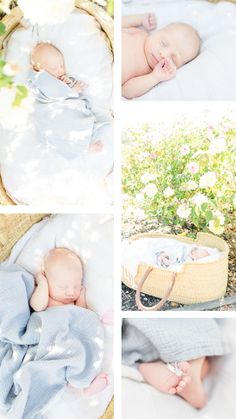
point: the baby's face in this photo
(177, 42)
(46, 57)
(196, 254)
(64, 273)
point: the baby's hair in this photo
(73, 254)
(36, 48)
(194, 32)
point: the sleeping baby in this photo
(60, 284)
(148, 59)
(166, 260)
(50, 82)
(46, 57)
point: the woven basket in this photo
(12, 228)
(196, 283)
(12, 22)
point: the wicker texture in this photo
(197, 283)
(12, 22)
(12, 228)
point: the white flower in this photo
(10, 69)
(208, 180)
(147, 177)
(150, 190)
(4, 6)
(139, 197)
(191, 185)
(218, 145)
(193, 167)
(11, 116)
(139, 213)
(184, 150)
(216, 225)
(46, 12)
(199, 199)
(183, 211)
(168, 192)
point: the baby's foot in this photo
(98, 384)
(159, 376)
(188, 386)
(96, 147)
(194, 392)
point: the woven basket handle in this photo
(159, 305)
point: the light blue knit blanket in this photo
(40, 353)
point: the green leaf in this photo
(21, 93)
(2, 28)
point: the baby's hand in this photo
(149, 21)
(164, 70)
(65, 79)
(79, 86)
(96, 147)
(40, 277)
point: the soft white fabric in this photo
(212, 75)
(91, 237)
(86, 52)
(144, 250)
(140, 400)
(32, 173)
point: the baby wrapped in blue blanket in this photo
(71, 125)
(43, 351)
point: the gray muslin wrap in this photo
(170, 340)
(40, 353)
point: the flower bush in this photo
(184, 177)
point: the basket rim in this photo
(186, 265)
(13, 21)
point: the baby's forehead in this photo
(46, 49)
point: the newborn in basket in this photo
(59, 284)
(50, 85)
(173, 259)
(150, 59)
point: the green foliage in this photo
(185, 178)
(2, 28)
(110, 7)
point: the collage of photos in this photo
(117, 209)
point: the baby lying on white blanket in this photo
(147, 59)
(50, 82)
(60, 284)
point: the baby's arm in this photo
(138, 86)
(147, 20)
(39, 299)
(78, 86)
(81, 301)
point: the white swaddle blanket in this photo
(145, 251)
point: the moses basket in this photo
(12, 22)
(196, 283)
(12, 228)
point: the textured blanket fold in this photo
(40, 353)
(171, 340)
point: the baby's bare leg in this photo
(98, 384)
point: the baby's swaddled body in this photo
(62, 116)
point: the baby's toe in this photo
(172, 390)
(179, 389)
(184, 366)
(182, 383)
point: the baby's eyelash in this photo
(163, 44)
